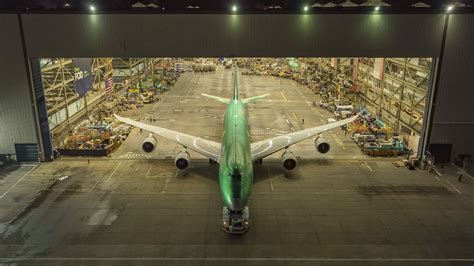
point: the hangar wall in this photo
(212, 35)
(17, 120)
(323, 35)
(453, 120)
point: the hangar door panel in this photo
(26, 152)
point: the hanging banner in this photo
(82, 75)
(355, 74)
(378, 68)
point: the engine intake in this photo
(149, 144)
(322, 145)
(288, 159)
(182, 160)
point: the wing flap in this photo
(217, 98)
(207, 148)
(263, 148)
(254, 99)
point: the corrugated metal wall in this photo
(454, 111)
(17, 123)
(325, 35)
(240, 35)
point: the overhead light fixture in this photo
(450, 8)
(377, 8)
(67, 5)
(305, 8)
(234, 8)
(92, 8)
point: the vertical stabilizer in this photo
(236, 89)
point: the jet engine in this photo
(149, 144)
(288, 159)
(322, 145)
(182, 160)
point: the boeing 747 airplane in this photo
(235, 155)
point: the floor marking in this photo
(338, 140)
(107, 180)
(167, 180)
(283, 95)
(148, 172)
(455, 188)
(6, 192)
(228, 259)
(368, 166)
(296, 118)
(269, 178)
(462, 171)
(97, 182)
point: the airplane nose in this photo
(237, 204)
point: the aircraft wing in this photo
(208, 148)
(263, 148)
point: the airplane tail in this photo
(236, 94)
(217, 98)
(254, 98)
(236, 88)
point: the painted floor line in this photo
(6, 192)
(115, 170)
(368, 166)
(463, 171)
(453, 186)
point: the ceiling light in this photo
(234, 8)
(377, 8)
(306, 8)
(450, 8)
(92, 8)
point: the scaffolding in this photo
(399, 95)
(65, 107)
(129, 71)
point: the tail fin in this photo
(236, 89)
(217, 98)
(254, 99)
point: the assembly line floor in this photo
(337, 209)
(185, 109)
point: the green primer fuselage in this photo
(235, 166)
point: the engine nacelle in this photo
(182, 160)
(288, 159)
(149, 143)
(322, 145)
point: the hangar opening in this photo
(82, 94)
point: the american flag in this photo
(109, 85)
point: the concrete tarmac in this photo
(342, 208)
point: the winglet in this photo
(217, 98)
(254, 99)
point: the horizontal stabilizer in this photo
(255, 98)
(217, 98)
